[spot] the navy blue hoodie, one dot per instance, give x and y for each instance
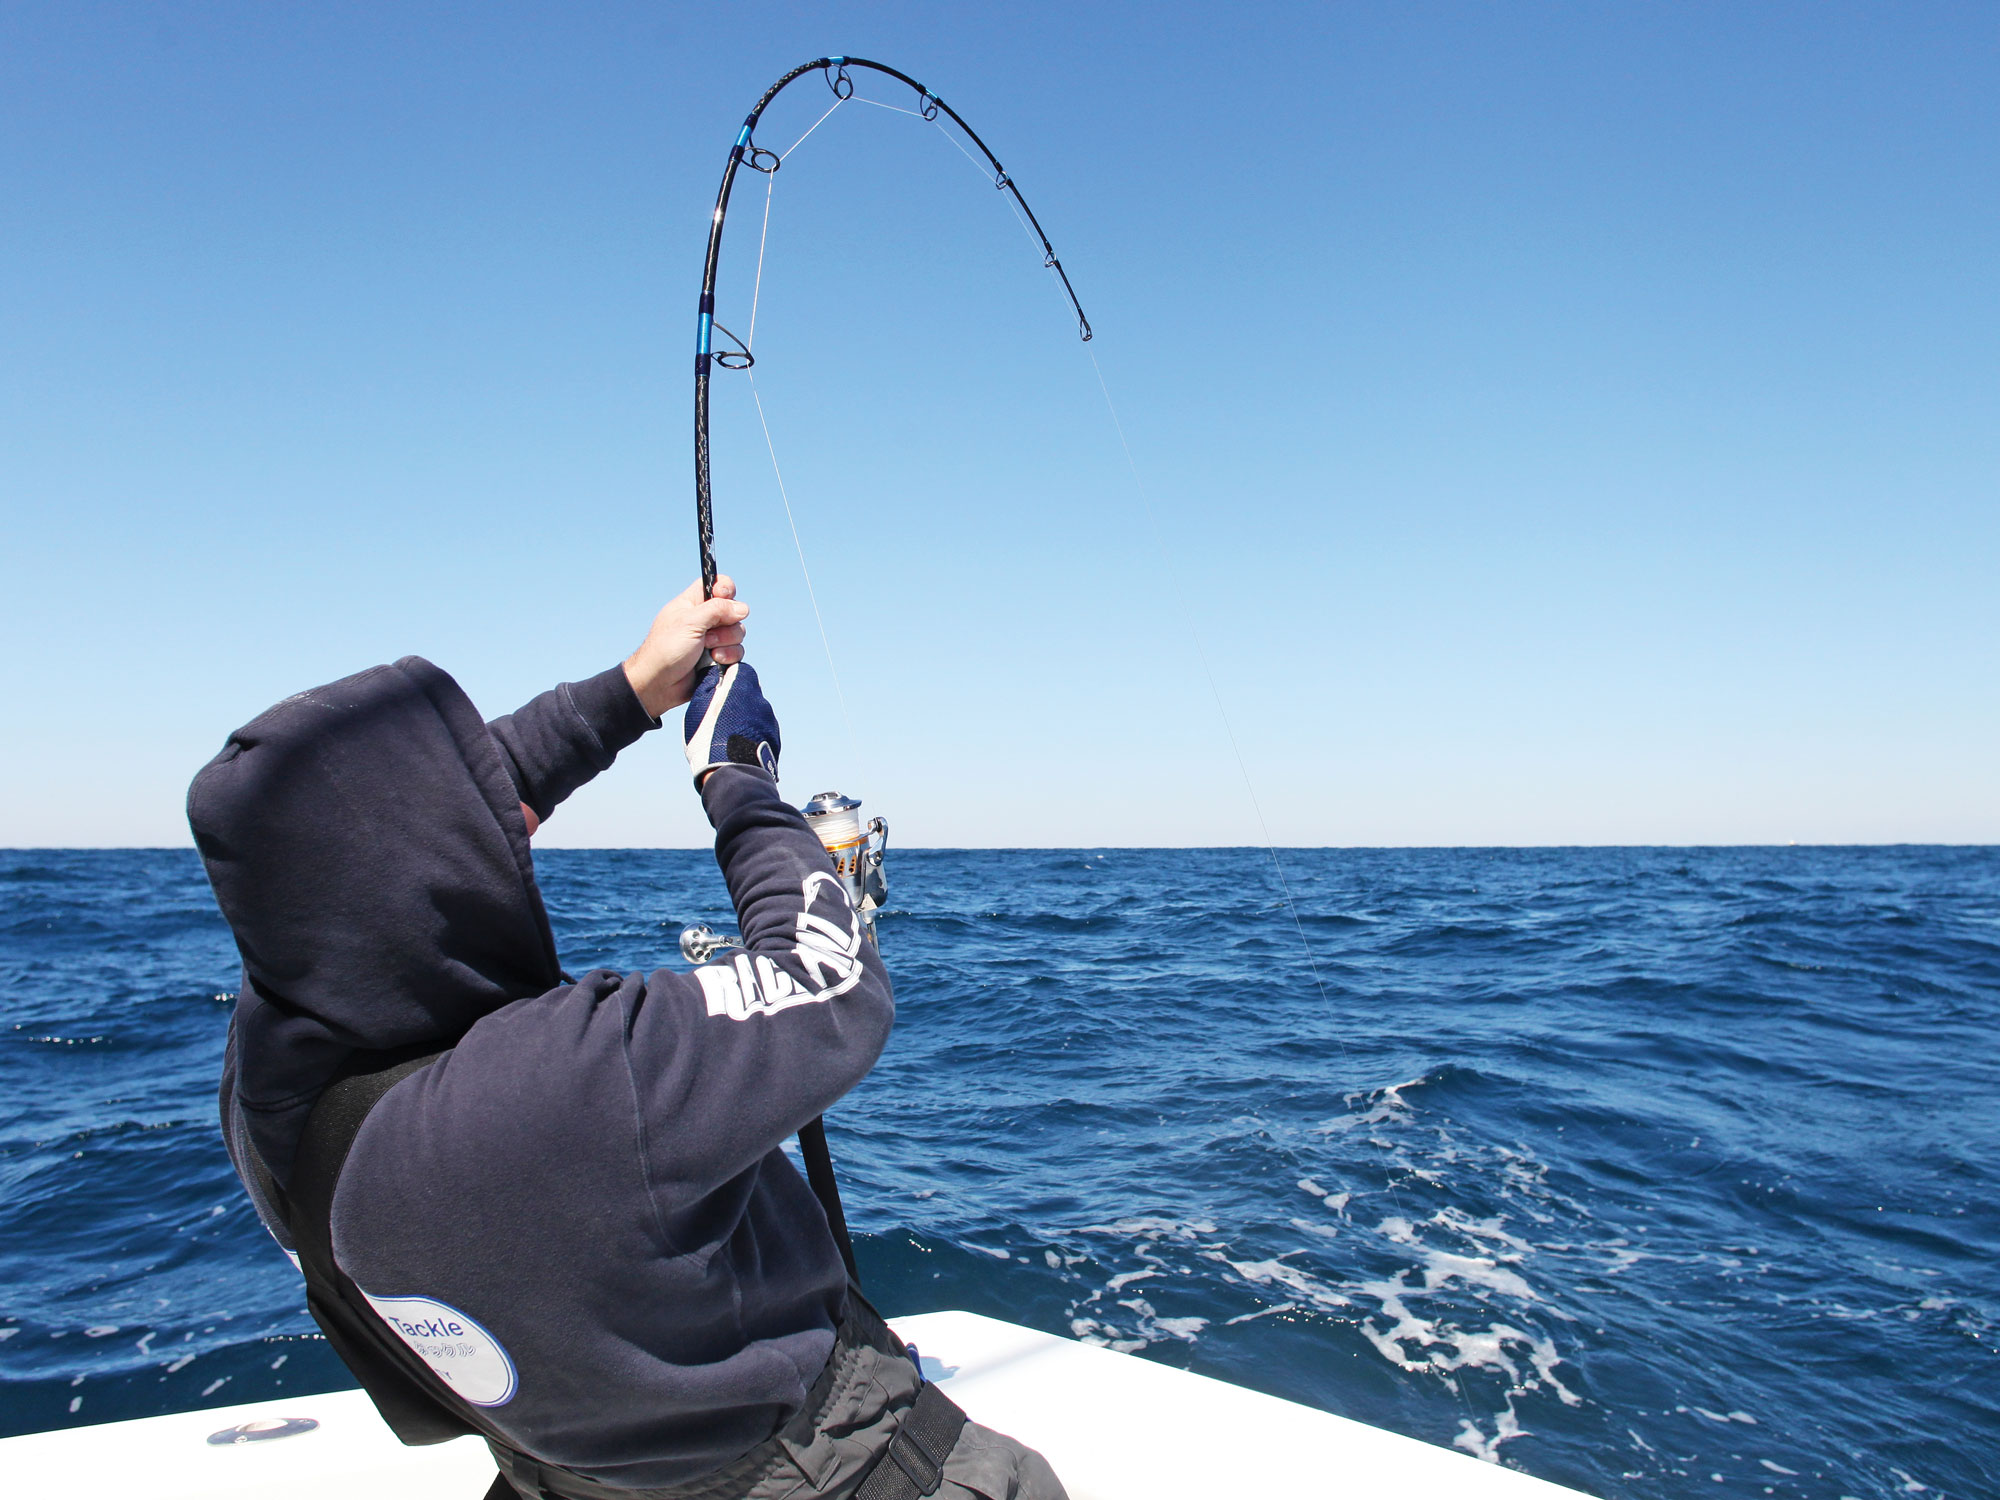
(579, 1214)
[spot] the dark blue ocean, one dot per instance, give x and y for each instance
(1653, 1172)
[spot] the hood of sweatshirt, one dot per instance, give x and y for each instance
(366, 844)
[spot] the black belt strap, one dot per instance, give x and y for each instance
(819, 1174)
(913, 1466)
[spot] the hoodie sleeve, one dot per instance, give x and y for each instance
(556, 742)
(759, 1042)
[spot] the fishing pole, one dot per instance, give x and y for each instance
(857, 852)
(746, 152)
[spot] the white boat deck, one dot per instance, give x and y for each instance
(1114, 1427)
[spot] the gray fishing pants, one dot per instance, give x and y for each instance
(826, 1451)
(872, 1390)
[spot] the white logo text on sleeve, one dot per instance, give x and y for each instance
(829, 960)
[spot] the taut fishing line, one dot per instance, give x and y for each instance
(784, 494)
(1186, 616)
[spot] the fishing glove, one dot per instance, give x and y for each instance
(729, 723)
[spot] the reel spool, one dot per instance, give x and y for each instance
(857, 852)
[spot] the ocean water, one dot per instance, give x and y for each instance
(1653, 1172)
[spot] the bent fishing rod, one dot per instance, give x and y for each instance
(747, 153)
(857, 855)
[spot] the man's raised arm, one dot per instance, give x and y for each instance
(560, 739)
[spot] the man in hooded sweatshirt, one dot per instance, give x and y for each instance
(555, 1211)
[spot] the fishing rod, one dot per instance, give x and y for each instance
(746, 152)
(857, 851)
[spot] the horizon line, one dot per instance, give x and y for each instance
(1118, 848)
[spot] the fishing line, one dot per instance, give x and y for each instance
(1215, 692)
(858, 99)
(784, 495)
(1201, 650)
(1033, 238)
(750, 342)
(814, 126)
(1141, 489)
(770, 186)
(746, 152)
(959, 146)
(1449, 1374)
(853, 739)
(1201, 655)
(1222, 713)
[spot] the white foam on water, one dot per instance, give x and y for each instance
(1124, 1279)
(1483, 1229)
(1090, 1331)
(1302, 1284)
(1464, 1307)
(1506, 1426)
(1417, 1343)
(1151, 1324)
(1725, 1418)
(1386, 1106)
(1149, 1327)
(1776, 1468)
(1153, 1227)
(1441, 1268)
(1623, 1256)
(1262, 1312)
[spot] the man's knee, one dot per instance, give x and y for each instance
(989, 1465)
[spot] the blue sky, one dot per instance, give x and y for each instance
(1553, 423)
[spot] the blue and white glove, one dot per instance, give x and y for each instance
(729, 723)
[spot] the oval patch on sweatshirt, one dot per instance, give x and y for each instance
(465, 1356)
